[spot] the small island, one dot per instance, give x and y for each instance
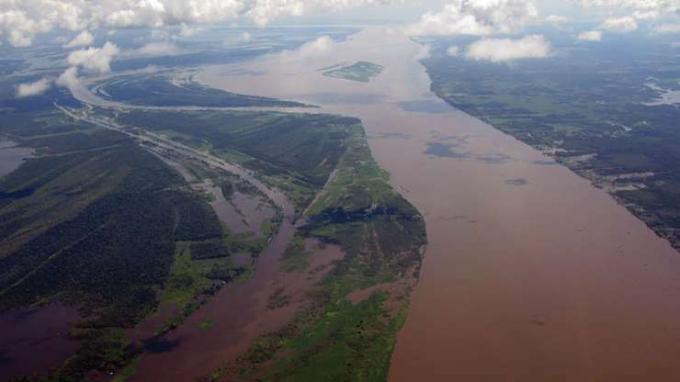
(361, 71)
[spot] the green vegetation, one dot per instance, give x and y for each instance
(382, 236)
(94, 221)
(127, 372)
(347, 342)
(296, 256)
(79, 233)
(591, 108)
(205, 325)
(361, 71)
(313, 145)
(98, 222)
(160, 90)
(186, 279)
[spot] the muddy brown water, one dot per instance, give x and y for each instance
(235, 316)
(35, 340)
(531, 273)
(45, 328)
(238, 315)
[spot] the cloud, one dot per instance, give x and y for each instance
(476, 17)
(187, 31)
(594, 36)
(33, 88)
(667, 29)
(642, 9)
(316, 48)
(85, 38)
(94, 59)
(502, 50)
(556, 19)
(619, 24)
(453, 51)
(69, 79)
(22, 20)
(263, 12)
(424, 53)
(156, 49)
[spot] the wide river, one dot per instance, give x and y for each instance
(531, 273)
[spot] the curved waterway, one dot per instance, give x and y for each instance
(531, 273)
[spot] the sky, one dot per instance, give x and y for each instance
(22, 20)
(499, 25)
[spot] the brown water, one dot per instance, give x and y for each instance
(35, 340)
(238, 314)
(531, 274)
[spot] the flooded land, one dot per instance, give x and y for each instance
(531, 273)
(45, 328)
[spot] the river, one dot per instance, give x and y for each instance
(531, 273)
(12, 156)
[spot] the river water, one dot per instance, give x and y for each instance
(36, 340)
(531, 273)
(12, 156)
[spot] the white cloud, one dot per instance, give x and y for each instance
(453, 51)
(642, 9)
(556, 19)
(33, 88)
(22, 20)
(619, 24)
(85, 38)
(94, 59)
(594, 36)
(476, 17)
(156, 49)
(502, 50)
(187, 31)
(263, 12)
(424, 53)
(667, 29)
(69, 79)
(316, 48)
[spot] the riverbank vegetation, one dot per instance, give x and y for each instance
(163, 90)
(339, 338)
